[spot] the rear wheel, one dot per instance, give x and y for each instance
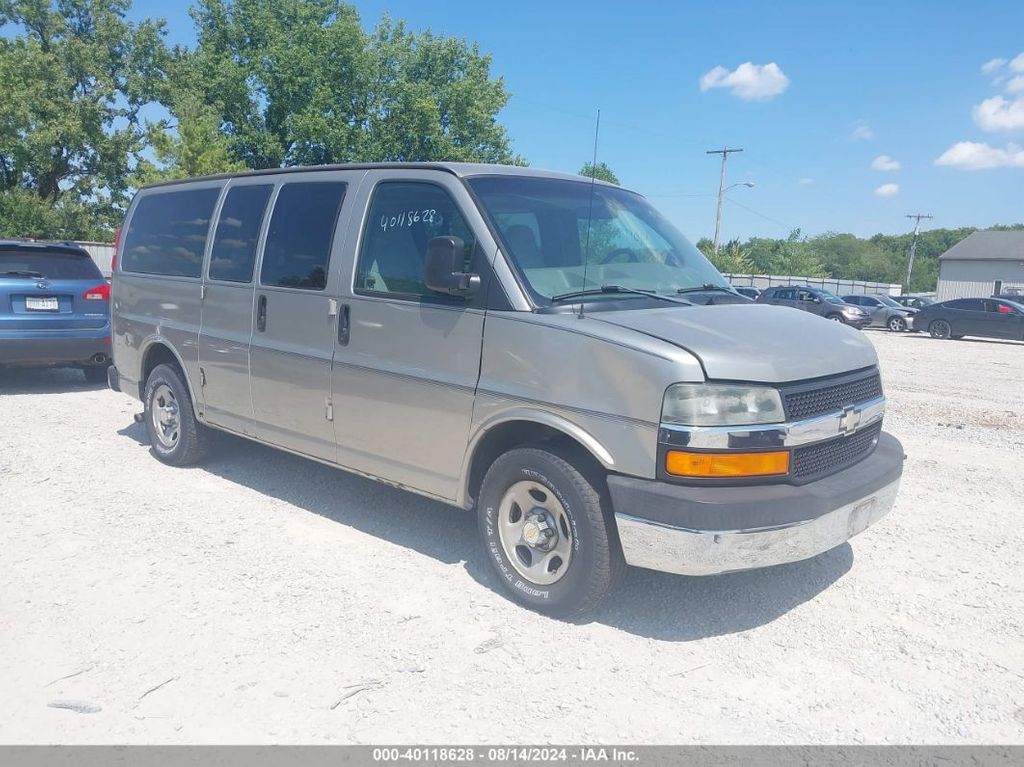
(940, 329)
(176, 436)
(95, 374)
(547, 529)
(897, 324)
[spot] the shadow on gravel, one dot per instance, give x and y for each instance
(972, 340)
(646, 603)
(45, 381)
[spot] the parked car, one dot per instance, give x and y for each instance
(987, 317)
(749, 292)
(54, 308)
(884, 311)
(914, 302)
(1011, 294)
(816, 301)
(444, 328)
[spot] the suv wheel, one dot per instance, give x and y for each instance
(547, 529)
(897, 324)
(176, 436)
(940, 329)
(837, 318)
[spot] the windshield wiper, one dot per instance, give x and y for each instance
(22, 273)
(705, 287)
(606, 289)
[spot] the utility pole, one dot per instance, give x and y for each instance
(725, 152)
(913, 243)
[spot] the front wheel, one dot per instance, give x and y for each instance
(176, 436)
(547, 529)
(897, 324)
(837, 318)
(940, 329)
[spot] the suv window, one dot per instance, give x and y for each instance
(50, 264)
(298, 249)
(403, 218)
(167, 232)
(806, 295)
(785, 294)
(855, 300)
(238, 229)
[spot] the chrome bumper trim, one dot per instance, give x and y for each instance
(790, 434)
(701, 552)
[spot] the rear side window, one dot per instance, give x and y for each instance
(298, 249)
(51, 265)
(238, 229)
(167, 233)
(968, 304)
(403, 218)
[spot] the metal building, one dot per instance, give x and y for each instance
(102, 253)
(982, 264)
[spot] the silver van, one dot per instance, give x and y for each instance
(542, 348)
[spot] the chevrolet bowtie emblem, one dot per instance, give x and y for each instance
(849, 421)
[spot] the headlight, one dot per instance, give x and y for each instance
(721, 405)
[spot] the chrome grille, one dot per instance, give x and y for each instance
(807, 401)
(829, 457)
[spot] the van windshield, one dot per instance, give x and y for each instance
(543, 224)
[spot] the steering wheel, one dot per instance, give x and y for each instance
(629, 253)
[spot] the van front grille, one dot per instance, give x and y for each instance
(806, 401)
(824, 458)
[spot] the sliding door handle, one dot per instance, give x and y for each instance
(261, 314)
(344, 325)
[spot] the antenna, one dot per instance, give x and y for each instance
(590, 211)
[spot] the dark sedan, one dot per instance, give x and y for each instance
(987, 317)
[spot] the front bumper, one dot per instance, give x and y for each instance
(707, 530)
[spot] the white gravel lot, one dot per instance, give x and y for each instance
(264, 598)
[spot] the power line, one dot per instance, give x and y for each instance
(725, 152)
(761, 215)
(913, 243)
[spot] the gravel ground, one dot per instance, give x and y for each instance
(264, 598)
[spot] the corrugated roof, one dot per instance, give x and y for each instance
(988, 246)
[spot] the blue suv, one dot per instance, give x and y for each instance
(54, 308)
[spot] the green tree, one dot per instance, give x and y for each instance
(75, 73)
(196, 147)
(599, 171)
(299, 82)
(732, 258)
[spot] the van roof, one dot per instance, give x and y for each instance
(461, 169)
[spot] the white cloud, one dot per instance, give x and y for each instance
(750, 82)
(974, 155)
(806, 181)
(992, 66)
(1017, 65)
(862, 131)
(1015, 84)
(888, 190)
(885, 162)
(999, 114)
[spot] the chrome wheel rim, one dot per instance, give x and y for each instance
(163, 410)
(895, 324)
(535, 532)
(836, 318)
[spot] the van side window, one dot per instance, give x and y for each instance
(238, 229)
(298, 249)
(403, 218)
(167, 232)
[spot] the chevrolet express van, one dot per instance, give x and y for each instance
(542, 348)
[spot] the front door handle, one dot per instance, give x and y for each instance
(261, 314)
(344, 325)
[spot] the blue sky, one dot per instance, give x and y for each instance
(851, 82)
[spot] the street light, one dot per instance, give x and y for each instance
(718, 215)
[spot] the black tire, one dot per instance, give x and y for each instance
(596, 562)
(940, 329)
(95, 373)
(192, 441)
(836, 318)
(896, 324)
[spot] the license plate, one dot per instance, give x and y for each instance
(41, 304)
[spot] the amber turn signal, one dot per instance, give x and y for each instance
(680, 463)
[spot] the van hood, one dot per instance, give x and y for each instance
(753, 342)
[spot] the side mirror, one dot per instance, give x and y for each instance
(443, 269)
